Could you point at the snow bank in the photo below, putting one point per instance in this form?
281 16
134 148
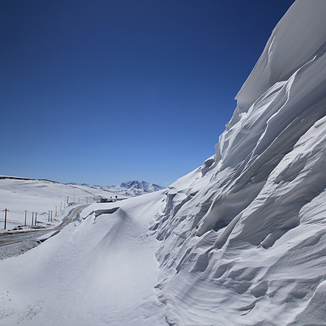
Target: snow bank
100 270
243 243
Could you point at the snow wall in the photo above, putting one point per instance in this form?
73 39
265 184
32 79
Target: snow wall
243 237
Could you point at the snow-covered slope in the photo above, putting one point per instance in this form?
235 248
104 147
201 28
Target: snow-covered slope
239 241
135 188
99 270
244 236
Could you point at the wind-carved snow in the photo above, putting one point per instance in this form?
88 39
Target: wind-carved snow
246 244
239 241
99 270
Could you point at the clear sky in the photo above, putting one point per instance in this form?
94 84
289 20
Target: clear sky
107 91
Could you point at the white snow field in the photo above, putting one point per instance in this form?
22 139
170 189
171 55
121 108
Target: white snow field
99 270
239 241
42 196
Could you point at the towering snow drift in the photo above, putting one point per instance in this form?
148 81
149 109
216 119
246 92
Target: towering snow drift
294 41
242 239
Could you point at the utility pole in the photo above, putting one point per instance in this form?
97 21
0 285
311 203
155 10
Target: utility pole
5 210
35 218
32 219
25 217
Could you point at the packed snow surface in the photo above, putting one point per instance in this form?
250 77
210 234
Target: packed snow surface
239 241
99 270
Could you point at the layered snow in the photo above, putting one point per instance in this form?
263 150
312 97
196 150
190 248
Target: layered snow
294 41
239 241
247 239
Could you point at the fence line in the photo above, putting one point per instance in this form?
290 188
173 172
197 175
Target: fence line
36 216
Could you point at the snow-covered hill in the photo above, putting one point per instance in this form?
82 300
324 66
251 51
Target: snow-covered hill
24 197
135 188
239 241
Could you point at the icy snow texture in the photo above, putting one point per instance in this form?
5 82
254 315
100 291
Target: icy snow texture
244 236
242 239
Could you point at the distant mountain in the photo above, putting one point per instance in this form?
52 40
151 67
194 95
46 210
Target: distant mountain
128 189
135 188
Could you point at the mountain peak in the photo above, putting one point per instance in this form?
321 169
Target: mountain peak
135 188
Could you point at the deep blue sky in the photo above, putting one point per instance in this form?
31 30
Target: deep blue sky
107 91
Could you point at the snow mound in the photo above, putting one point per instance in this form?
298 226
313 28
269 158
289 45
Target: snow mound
99 270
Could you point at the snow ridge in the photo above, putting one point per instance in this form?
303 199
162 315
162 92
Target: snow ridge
245 233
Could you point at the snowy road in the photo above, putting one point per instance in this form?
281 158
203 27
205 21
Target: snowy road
16 237
33 236
74 213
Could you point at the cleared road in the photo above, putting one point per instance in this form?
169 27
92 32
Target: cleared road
9 238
